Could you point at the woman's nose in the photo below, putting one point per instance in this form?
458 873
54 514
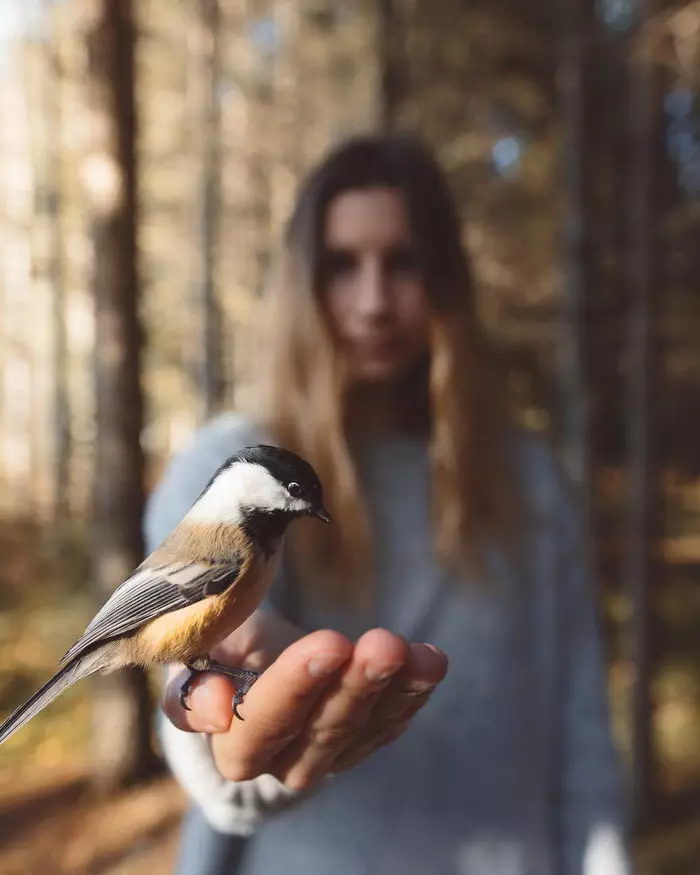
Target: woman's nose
373 294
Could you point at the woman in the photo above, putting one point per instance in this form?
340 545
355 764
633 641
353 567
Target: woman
453 527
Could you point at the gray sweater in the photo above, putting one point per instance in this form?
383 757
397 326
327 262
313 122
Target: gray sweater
510 768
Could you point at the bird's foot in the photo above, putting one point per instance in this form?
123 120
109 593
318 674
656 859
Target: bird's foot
244 678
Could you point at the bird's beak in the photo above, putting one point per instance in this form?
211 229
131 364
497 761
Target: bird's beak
322 514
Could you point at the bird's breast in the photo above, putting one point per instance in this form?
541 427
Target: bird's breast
191 632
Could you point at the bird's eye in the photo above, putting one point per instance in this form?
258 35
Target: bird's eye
294 490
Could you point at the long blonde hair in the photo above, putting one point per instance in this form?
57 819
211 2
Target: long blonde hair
306 392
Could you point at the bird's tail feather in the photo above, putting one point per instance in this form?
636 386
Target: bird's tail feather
53 688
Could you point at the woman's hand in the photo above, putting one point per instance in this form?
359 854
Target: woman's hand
321 706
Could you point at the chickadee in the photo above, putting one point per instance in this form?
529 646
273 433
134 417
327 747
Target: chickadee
200 583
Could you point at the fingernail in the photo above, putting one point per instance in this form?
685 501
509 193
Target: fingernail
420 686
381 672
434 648
323 664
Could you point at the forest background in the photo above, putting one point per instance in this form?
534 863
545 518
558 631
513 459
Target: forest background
149 154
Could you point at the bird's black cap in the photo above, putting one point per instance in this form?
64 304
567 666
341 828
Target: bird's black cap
284 465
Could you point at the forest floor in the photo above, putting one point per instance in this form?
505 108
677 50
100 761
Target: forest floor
56 827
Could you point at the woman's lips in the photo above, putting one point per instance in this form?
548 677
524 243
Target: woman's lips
374 346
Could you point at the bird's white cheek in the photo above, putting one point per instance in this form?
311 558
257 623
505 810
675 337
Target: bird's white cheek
216 506
241 486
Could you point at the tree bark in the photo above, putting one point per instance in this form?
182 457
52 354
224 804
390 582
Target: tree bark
643 360
390 37
61 399
208 352
122 712
575 78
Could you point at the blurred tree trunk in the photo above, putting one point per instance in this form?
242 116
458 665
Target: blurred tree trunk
33 82
122 712
391 67
643 362
259 150
576 83
61 401
208 350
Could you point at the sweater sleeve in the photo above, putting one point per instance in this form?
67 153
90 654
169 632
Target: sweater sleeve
590 809
230 807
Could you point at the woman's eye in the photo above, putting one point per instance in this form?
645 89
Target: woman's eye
336 264
294 489
401 260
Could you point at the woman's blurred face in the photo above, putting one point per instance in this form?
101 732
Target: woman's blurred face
372 287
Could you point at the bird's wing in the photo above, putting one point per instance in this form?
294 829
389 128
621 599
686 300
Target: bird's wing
150 592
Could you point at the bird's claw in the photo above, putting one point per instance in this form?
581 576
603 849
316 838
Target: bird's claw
246 678
237 699
185 690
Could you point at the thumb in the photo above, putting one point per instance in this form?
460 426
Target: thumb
209 700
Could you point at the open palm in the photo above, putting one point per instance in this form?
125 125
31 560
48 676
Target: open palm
322 704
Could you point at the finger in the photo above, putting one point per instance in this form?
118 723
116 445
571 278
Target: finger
255 644
277 706
354 755
341 716
258 641
209 700
425 668
404 697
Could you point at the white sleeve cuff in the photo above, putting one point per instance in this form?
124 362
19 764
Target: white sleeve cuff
234 807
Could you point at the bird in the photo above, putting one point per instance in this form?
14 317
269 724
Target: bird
200 583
